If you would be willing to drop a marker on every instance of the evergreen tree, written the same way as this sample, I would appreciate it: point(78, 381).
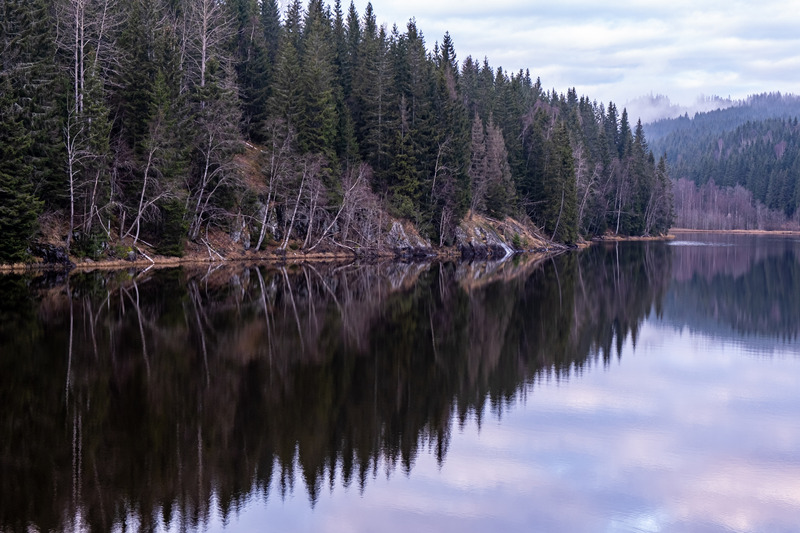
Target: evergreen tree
point(559, 214)
point(132, 114)
point(375, 112)
point(271, 26)
point(643, 177)
point(317, 121)
point(252, 62)
point(27, 51)
point(500, 190)
point(285, 100)
point(139, 40)
point(450, 186)
point(478, 166)
point(625, 138)
point(19, 209)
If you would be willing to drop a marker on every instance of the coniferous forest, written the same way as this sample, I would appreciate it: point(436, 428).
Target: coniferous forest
point(735, 168)
point(158, 122)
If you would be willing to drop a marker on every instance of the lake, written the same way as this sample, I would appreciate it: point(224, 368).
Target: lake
point(626, 387)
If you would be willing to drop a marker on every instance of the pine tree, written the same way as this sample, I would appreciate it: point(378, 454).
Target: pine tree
point(139, 39)
point(450, 184)
point(19, 209)
point(252, 63)
point(560, 201)
point(317, 120)
point(285, 100)
point(375, 103)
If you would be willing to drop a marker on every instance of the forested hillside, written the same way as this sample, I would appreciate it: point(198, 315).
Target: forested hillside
point(730, 116)
point(157, 121)
point(737, 167)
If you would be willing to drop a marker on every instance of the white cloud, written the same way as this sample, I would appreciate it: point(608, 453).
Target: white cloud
point(618, 52)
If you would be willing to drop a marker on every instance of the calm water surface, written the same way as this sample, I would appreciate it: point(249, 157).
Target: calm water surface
point(631, 387)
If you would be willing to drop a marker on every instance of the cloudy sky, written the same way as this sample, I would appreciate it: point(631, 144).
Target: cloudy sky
point(623, 49)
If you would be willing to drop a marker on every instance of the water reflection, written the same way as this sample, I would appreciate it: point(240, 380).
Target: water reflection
point(736, 285)
point(141, 400)
point(144, 395)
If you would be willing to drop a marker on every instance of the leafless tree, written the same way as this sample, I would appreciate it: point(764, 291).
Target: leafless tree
point(208, 29)
point(154, 188)
point(356, 194)
point(278, 161)
point(310, 167)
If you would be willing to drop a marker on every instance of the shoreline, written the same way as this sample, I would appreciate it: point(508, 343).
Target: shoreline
point(264, 257)
point(736, 231)
point(624, 238)
point(480, 238)
point(290, 257)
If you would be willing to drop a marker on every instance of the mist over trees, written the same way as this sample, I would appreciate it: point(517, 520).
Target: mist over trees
point(736, 168)
point(151, 122)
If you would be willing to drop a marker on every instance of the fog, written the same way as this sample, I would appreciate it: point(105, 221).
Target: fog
point(650, 108)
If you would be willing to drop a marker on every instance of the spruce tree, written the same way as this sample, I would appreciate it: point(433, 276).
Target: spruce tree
point(19, 209)
point(285, 99)
point(27, 50)
point(139, 39)
point(560, 202)
point(317, 120)
point(375, 102)
point(271, 27)
point(253, 69)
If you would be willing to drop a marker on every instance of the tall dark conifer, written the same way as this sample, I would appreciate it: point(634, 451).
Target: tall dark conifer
point(375, 104)
point(559, 200)
point(317, 122)
point(19, 208)
point(450, 189)
point(252, 63)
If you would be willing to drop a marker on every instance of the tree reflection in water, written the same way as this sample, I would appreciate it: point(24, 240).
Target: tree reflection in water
point(737, 284)
point(137, 398)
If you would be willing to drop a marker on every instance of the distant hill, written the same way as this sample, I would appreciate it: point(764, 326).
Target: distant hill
point(753, 145)
point(693, 128)
point(658, 107)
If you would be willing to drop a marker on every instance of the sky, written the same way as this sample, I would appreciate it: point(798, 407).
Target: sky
point(624, 49)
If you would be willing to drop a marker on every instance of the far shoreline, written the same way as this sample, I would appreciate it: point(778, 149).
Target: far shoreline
point(735, 231)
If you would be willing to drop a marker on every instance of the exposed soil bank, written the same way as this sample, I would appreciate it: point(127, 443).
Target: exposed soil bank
point(478, 238)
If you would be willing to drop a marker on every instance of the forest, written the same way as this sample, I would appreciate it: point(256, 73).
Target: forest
point(148, 124)
point(735, 168)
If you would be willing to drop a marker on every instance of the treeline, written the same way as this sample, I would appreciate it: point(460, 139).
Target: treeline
point(729, 116)
point(162, 120)
point(711, 207)
point(736, 168)
point(762, 158)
